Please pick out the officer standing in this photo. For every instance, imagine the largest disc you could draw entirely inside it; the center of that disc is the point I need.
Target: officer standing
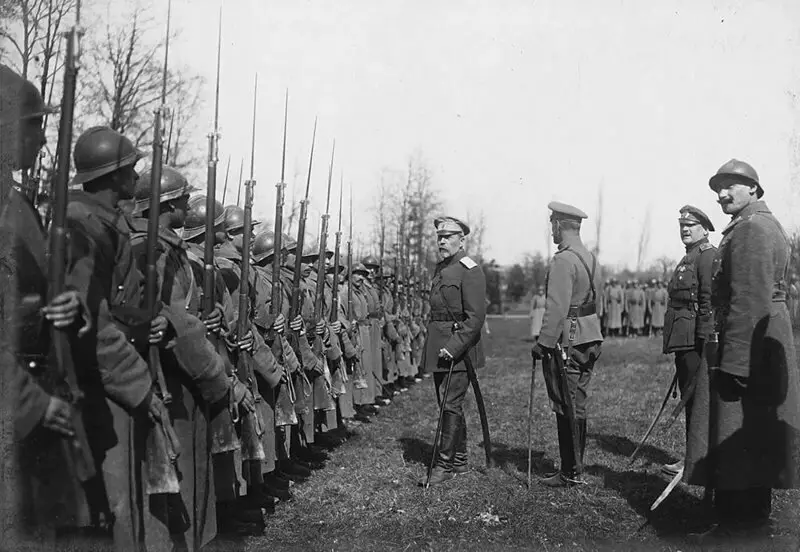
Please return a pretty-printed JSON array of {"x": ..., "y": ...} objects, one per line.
[
  {"x": 570, "y": 341},
  {"x": 744, "y": 439},
  {"x": 458, "y": 289},
  {"x": 688, "y": 320}
]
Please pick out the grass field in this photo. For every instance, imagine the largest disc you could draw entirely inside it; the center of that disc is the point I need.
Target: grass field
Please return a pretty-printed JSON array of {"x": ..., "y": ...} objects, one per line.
[{"x": 366, "y": 497}]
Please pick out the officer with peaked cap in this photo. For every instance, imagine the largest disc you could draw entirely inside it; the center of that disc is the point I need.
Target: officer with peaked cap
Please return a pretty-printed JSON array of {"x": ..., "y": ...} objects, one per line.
[
  {"x": 688, "y": 321},
  {"x": 570, "y": 339},
  {"x": 745, "y": 440},
  {"x": 458, "y": 289}
]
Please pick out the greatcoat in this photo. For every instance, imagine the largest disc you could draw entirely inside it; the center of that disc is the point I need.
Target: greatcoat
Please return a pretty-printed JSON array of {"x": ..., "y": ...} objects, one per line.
[{"x": 745, "y": 424}]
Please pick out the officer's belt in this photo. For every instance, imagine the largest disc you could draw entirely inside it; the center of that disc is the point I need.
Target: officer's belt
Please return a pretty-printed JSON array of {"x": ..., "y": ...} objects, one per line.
[
  {"x": 579, "y": 311},
  {"x": 678, "y": 304},
  {"x": 446, "y": 317}
]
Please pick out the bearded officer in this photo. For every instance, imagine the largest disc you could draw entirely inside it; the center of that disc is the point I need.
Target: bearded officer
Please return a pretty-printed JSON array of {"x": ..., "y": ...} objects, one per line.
[
  {"x": 745, "y": 440},
  {"x": 458, "y": 289},
  {"x": 688, "y": 320},
  {"x": 570, "y": 340}
]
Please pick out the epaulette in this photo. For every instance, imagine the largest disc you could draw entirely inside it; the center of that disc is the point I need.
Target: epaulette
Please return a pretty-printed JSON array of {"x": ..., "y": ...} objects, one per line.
[
  {"x": 467, "y": 262},
  {"x": 706, "y": 246}
]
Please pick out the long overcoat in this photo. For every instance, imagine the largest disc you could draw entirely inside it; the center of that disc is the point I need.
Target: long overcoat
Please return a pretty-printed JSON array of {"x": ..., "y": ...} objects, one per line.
[
  {"x": 745, "y": 424},
  {"x": 615, "y": 300},
  {"x": 458, "y": 289}
]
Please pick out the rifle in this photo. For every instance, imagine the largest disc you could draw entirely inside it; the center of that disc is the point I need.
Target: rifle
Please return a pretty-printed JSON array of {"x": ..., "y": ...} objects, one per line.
[
  {"x": 225, "y": 186},
  {"x": 224, "y": 434},
  {"x": 301, "y": 230},
  {"x": 337, "y": 260},
  {"x": 78, "y": 452},
  {"x": 163, "y": 448},
  {"x": 239, "y": 192},
  {"x": 397, "y": 251},
  {"x": 252, "y": 424},
  {"x": 360, "y": 381},
  {"x": 169, "y": 137},
  {"x": 276, "y": 298},
  {"x": 319, "y": 294}
]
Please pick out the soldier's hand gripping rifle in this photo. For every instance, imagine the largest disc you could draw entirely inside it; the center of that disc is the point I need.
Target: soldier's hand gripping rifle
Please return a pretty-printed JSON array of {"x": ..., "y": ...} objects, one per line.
[
  {"x": 252, "y": 422},
  {"x": 78, "y": 453},
  {"x": 163, "y": 448}
]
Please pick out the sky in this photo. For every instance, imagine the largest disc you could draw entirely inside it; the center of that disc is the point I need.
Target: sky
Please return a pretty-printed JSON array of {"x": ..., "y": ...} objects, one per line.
[{"x": 512, "y": 104}]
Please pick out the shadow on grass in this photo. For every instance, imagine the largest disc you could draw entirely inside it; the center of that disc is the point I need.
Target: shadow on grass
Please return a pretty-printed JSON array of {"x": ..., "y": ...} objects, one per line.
[
  {"x": 416, "y": 451},
  {"x": 623, "y": 446},
  {"x": 680, "y": 514}
]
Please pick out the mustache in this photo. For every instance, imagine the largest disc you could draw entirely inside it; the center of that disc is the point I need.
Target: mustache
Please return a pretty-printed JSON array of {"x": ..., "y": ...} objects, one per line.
[{"x": 725, "y": 201}]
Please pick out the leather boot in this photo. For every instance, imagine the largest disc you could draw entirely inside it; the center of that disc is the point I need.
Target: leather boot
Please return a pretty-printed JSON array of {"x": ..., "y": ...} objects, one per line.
[
  {"x": 567, "y": 476},
  {"x": 443, "y": 470},
  {"x": 460, "y": 456},
  {"x": 582, "y": 439}
]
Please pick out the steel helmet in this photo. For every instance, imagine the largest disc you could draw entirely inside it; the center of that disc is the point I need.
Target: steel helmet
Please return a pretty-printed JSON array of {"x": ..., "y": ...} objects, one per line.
[
  {"x": 173, "y": 186},
  {"x": 736, "y": 168},
  {"x": 370, "y": 261},
  {"x": 387, "y": 272},
  {"x": 359, "y": 268},
  {"x": 100, "y": 151},
  {"x": 196, "y": 217},
  {"x": 263, "y": 245},
  {"x": 234, "y": 218}
]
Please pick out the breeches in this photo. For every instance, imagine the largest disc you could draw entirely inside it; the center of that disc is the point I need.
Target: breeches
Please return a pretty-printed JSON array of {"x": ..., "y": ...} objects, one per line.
[
  {"x": 459, "y": 383},
  {"x": 570, "y": 386}
]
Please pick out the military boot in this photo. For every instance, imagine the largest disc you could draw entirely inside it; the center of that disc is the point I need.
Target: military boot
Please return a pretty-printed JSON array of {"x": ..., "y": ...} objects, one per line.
[
  {"x": 443, "y": 469},
  {"x": 568, "y": 475},
  {"x": 460, "y": 456}
]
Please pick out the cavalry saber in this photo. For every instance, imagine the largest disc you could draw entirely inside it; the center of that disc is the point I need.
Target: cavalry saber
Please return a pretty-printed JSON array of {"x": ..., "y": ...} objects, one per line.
[
  {"x": 473, "y": 379},
  {"x": 530, "y": 421},
  {"x": 657, "y": 417},
  {"x": 442, "y": 400},
  {"x": 668, "y": 490}
]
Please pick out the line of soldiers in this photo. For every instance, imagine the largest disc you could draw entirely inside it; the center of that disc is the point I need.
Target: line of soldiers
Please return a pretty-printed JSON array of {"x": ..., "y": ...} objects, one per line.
[
  {"x": 168, "y": 429},
  {"x": 635, "y": 310}
]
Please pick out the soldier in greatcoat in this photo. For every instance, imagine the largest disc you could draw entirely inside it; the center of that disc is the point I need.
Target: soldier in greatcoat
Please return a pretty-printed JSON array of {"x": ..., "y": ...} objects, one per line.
[
  {"x": 744, "y": 438},
  {"x": 571, "y": 338},
  {"x": 458, "y": 289},
  {"x": 615, "y": 305},
  {"x": 688, "y": 321},
  {"x": 658, "y": 307},
  {"x": 538, "y": 304},
  {"x": 39, "y": 491},
  {"x": 120, "y": 407}
]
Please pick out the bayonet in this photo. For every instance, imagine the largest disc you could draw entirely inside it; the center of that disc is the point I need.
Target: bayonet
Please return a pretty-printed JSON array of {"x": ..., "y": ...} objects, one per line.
[
  {"x": 323, "y": 246},
  {"x": 225, "y": 186},
  {"x": 301, "y": 229}
]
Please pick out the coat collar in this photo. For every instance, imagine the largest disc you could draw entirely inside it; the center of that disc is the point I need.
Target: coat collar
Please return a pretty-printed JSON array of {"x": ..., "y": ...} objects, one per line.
[
  {"x": 755, "y": 207},
  {"x": 460, "y": 254},
  {"x": 695, "y": 245},
  {"x": 570, "y": 242}
]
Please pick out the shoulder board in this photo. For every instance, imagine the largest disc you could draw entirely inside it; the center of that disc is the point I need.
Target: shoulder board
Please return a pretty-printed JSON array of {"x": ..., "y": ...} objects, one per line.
[
  {"x": 467, "y": 262},
  {"x": 706, "y": 246}
]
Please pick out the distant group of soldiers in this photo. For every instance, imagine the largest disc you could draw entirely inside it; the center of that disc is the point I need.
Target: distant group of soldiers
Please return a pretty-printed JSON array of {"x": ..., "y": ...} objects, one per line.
[
  {"x": 155, "y": 426},
  {"x": 637, "y": 309}
]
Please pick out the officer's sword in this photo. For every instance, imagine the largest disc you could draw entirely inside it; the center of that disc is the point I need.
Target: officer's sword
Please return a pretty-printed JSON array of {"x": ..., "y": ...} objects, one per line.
[
  {"x": 657, "y": 417},
  {"x": 530, "y": 421},
  {"x": 473, "y": 378},
  {"x": 668, "y": 490}
]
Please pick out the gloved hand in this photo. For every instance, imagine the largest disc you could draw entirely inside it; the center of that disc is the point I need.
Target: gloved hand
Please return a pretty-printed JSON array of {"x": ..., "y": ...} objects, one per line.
[
  {"x": 242, "y": 395},
  {"x": 336, "y": 327},
  {"x": 58, "y": 417},
  {"x": 320, "y": 328},
  {"x": 213, "y": 321}
]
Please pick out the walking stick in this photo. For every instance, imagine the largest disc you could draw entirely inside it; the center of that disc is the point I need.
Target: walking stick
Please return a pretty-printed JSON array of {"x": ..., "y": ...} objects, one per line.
[
  {"x": 530, "y": 422},
  {"x": 442, "y": 400}
]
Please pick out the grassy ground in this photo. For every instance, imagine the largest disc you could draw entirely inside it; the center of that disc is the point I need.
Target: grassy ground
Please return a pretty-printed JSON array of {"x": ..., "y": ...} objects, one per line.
[{"x": 366, "y": 497}]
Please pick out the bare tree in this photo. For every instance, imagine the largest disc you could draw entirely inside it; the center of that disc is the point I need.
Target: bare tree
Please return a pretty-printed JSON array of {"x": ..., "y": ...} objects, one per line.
[
  {"x": 665, "y": 266},
  {"x": 644, "y": 240},
  {"x": 599, "y": 220},
  {"x": 124, "y": 80}
]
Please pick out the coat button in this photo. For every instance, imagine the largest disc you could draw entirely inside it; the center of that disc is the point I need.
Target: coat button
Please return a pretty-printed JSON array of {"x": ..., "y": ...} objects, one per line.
[{"x": 32, "y": 365}]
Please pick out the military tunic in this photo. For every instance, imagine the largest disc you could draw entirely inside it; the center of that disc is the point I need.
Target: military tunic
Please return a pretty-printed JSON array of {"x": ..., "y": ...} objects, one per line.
[
  {"x": 571, "y": 320},
  {"x": 746, "y": 434}
]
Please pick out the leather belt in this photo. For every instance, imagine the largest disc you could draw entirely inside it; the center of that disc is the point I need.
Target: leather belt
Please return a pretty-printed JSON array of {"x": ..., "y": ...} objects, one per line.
[
  {"x": 579, "y": 311},
  {"x": 445, "y": 317}
]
